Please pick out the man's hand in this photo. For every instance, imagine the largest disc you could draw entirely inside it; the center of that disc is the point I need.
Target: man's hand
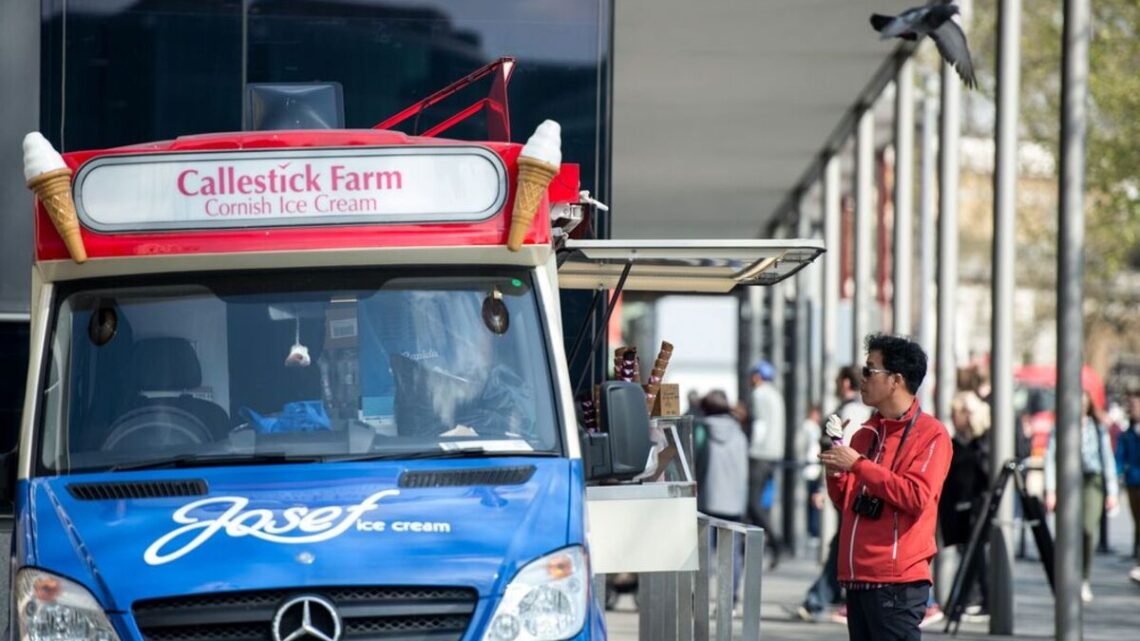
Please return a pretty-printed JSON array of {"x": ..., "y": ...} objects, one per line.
[
  {"x": 1050, "y": 501},
  {"x": 840, "y": 458},
  {"x": 1110, "y": 503}
]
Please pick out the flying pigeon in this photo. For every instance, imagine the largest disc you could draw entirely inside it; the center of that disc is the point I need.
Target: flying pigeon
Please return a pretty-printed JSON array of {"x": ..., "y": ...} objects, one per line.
[{"x": 934, "y": 21}]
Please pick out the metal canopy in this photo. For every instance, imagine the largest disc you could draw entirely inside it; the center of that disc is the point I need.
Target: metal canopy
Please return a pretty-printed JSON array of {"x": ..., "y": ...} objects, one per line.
[
  {"x": 683, "y": 266},
  {"x": 722, "y": 109}
]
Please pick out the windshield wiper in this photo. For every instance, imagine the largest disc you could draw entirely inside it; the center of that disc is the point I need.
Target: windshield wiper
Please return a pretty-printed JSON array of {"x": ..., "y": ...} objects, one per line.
[
  {"x": 467, "y": 452},
  {"x": 200, "y": 460}
]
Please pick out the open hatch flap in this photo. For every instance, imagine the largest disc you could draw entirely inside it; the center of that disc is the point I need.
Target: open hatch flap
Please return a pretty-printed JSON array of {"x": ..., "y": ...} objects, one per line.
[{"x": 705, "y": 266}]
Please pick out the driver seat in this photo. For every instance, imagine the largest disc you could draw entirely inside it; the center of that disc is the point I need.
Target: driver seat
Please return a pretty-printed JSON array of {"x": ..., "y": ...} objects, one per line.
[{"x": 164, "y": 371}]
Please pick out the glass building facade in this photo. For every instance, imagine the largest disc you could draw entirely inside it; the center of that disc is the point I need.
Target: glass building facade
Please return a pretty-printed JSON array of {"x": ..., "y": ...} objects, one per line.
[{"x": 119, "y": 72}]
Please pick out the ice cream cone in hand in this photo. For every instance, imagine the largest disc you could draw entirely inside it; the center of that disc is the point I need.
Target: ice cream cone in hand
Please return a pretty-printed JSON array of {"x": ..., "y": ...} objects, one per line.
[
  {"x": 50, "y": 178},
  {"x": 539, "y": 162}
]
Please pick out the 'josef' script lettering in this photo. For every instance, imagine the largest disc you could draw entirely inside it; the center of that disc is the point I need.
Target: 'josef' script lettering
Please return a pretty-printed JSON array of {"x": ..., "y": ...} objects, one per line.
[{"x": 316, "y": 525}]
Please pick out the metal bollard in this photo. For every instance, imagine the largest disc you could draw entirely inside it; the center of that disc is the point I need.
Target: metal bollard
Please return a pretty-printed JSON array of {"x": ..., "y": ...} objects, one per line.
[
  {"x": 727, "y": 533},
  {"x": 677, "y": 605}
]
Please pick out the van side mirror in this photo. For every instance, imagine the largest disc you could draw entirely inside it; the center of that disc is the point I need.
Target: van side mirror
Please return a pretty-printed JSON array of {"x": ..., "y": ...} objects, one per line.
[{"x": 621, "y": 452}]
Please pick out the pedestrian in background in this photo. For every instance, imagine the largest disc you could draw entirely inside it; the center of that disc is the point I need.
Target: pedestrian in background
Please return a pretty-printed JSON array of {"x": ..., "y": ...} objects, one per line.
[
  {"x": 810, "y": 432},
  {"x": 766, "y": 449},
  {"x": 965, "y": 488},
  {"x": 1099, "y": 486},
  {"x": 723, "y": 493},
  {"x": 1128, "y": 469},
  {"x": 723, "y": 490}
]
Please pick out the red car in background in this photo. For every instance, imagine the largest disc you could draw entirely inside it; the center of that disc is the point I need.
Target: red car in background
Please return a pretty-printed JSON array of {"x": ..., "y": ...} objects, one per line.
[{"x": 1035, "y": 401}]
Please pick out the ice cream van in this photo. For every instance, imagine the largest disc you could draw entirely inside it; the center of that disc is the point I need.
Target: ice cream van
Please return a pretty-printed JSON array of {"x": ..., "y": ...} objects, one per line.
[{"x": 311, "y": 386}]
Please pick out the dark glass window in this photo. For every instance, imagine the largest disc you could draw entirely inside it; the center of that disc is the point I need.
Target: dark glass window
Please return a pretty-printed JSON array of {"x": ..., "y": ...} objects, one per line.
[
  {"x": 13, "y": 376},
  {"x": 118, "y": 72}
]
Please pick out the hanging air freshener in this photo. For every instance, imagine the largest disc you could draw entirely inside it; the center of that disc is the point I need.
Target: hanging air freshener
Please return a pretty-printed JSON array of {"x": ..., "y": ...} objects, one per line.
[{"x": 298, "y": 354}]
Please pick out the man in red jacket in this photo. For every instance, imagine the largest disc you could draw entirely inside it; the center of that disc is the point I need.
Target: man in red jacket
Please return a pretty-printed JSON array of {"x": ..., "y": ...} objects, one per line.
[{"x": 886, "y": 481}]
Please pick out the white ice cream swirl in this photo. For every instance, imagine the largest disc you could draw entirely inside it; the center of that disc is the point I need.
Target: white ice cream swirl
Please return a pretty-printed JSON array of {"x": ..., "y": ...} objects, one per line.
[
  {"x": 545, "y": 143},
  {"x": 834, "y": 428},
  {"x": 39, "y": 156}
]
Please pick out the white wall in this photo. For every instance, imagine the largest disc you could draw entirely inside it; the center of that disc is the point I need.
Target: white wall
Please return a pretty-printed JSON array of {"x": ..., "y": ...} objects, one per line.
[{"x": 703, "y": 331}]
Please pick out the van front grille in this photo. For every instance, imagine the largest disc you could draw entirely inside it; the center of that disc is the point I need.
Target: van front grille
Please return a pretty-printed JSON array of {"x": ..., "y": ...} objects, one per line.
[{"x": 366, "y": 613}]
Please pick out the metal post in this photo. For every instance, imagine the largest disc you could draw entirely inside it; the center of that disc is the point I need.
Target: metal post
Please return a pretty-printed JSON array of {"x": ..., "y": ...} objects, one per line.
[
  {"x": 864, "y": 218},
  {"x": 926, "y": 244},
  {"x": 753, "y": 578},
  {"x": 1070, "y": 322},
  {"x": 725, "y": 544},
  {"x": 753, "y": 299},
  {"x": 831, "y": 240},
  {"x": 745, "y": 342},
  {"x": 778, "y": 311},
  {"x": 904, "y": 197},
  {"x": 701, "y": 589},
  {"x": 683, "y": 606},
  {"x": 947, "y": 242},
  {"x": 1000, "y": 593}
]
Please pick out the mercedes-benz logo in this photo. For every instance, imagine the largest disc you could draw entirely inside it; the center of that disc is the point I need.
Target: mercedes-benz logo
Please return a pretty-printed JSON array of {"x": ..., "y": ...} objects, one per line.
[{"x": 306, "y": 618}]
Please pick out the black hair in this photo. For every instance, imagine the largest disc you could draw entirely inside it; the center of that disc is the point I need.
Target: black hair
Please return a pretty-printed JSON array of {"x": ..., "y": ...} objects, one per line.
[
  {"x": 901, "y": 356},
  {"x": 851, "y": 375},
  {"x": 1092, "y": 413},
  {"x": 716, "y": 402}
]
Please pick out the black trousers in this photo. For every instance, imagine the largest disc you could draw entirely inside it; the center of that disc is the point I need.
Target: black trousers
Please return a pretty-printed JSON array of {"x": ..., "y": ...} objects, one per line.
[{"x": 889, "y": 613}]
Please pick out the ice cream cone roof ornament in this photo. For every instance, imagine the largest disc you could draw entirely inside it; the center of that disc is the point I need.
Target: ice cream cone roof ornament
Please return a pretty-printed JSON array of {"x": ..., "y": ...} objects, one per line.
[
  {"x": 50, "y": 178},
  {"x": 539, "y": 162}
]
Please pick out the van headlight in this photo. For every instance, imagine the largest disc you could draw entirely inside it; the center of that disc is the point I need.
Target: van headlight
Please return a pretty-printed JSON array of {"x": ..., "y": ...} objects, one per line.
[
  {"x": 52, "y": 608},
  {"x": 546, "y": 601}
]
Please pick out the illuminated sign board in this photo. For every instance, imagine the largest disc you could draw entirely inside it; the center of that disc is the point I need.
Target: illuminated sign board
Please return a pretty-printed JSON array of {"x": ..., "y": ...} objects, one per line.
[{"x": 290, "y": 188}]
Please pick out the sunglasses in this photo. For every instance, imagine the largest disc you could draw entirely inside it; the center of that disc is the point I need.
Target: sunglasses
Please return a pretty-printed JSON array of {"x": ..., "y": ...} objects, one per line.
[{"x": 868, "y": 371}]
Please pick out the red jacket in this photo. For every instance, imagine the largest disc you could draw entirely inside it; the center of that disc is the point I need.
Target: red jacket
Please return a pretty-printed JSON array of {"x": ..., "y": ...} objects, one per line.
[{"x": 896, "y": 547}]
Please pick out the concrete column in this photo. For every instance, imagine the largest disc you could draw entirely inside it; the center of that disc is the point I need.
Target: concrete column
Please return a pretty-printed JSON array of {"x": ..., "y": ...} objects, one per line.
[
  {"x": 801, "y": 364},
  {"x": 831, "y": 241},
  {"x": 927, "y": 249},
  {"x": 864, "y": 219},
  {"x": 904, "y": 198}
]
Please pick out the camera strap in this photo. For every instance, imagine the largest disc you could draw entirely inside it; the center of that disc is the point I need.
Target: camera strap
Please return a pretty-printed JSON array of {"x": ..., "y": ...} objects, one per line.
[
  {"x": 880, "y": 443},
  {"x": 902, "y": 442}
]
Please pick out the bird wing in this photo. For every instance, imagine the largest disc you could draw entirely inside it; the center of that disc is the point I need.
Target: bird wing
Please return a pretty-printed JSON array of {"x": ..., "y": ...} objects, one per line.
[
  {"x": 951, "y": 44},
  {"x": 905, "y": 22}
]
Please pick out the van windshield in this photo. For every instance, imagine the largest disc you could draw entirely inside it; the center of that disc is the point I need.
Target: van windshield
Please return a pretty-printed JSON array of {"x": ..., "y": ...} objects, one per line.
[{"x": 291, "y": 366}]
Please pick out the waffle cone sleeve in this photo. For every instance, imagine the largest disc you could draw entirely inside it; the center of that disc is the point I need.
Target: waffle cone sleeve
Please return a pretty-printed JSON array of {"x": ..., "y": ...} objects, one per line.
[
  {"x": 658, "y": 372},
  {"x": 534, "y": 178},
  {"x": 53, "y": 188}
]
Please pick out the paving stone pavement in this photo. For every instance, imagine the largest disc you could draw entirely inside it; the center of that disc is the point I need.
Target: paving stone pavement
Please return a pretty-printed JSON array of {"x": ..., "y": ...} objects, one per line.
[{"x": 1113, "y": 615}]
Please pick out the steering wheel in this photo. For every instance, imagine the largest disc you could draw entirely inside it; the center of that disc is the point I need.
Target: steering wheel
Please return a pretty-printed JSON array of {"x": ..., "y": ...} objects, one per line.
[{"x": 155, "y": 428}]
